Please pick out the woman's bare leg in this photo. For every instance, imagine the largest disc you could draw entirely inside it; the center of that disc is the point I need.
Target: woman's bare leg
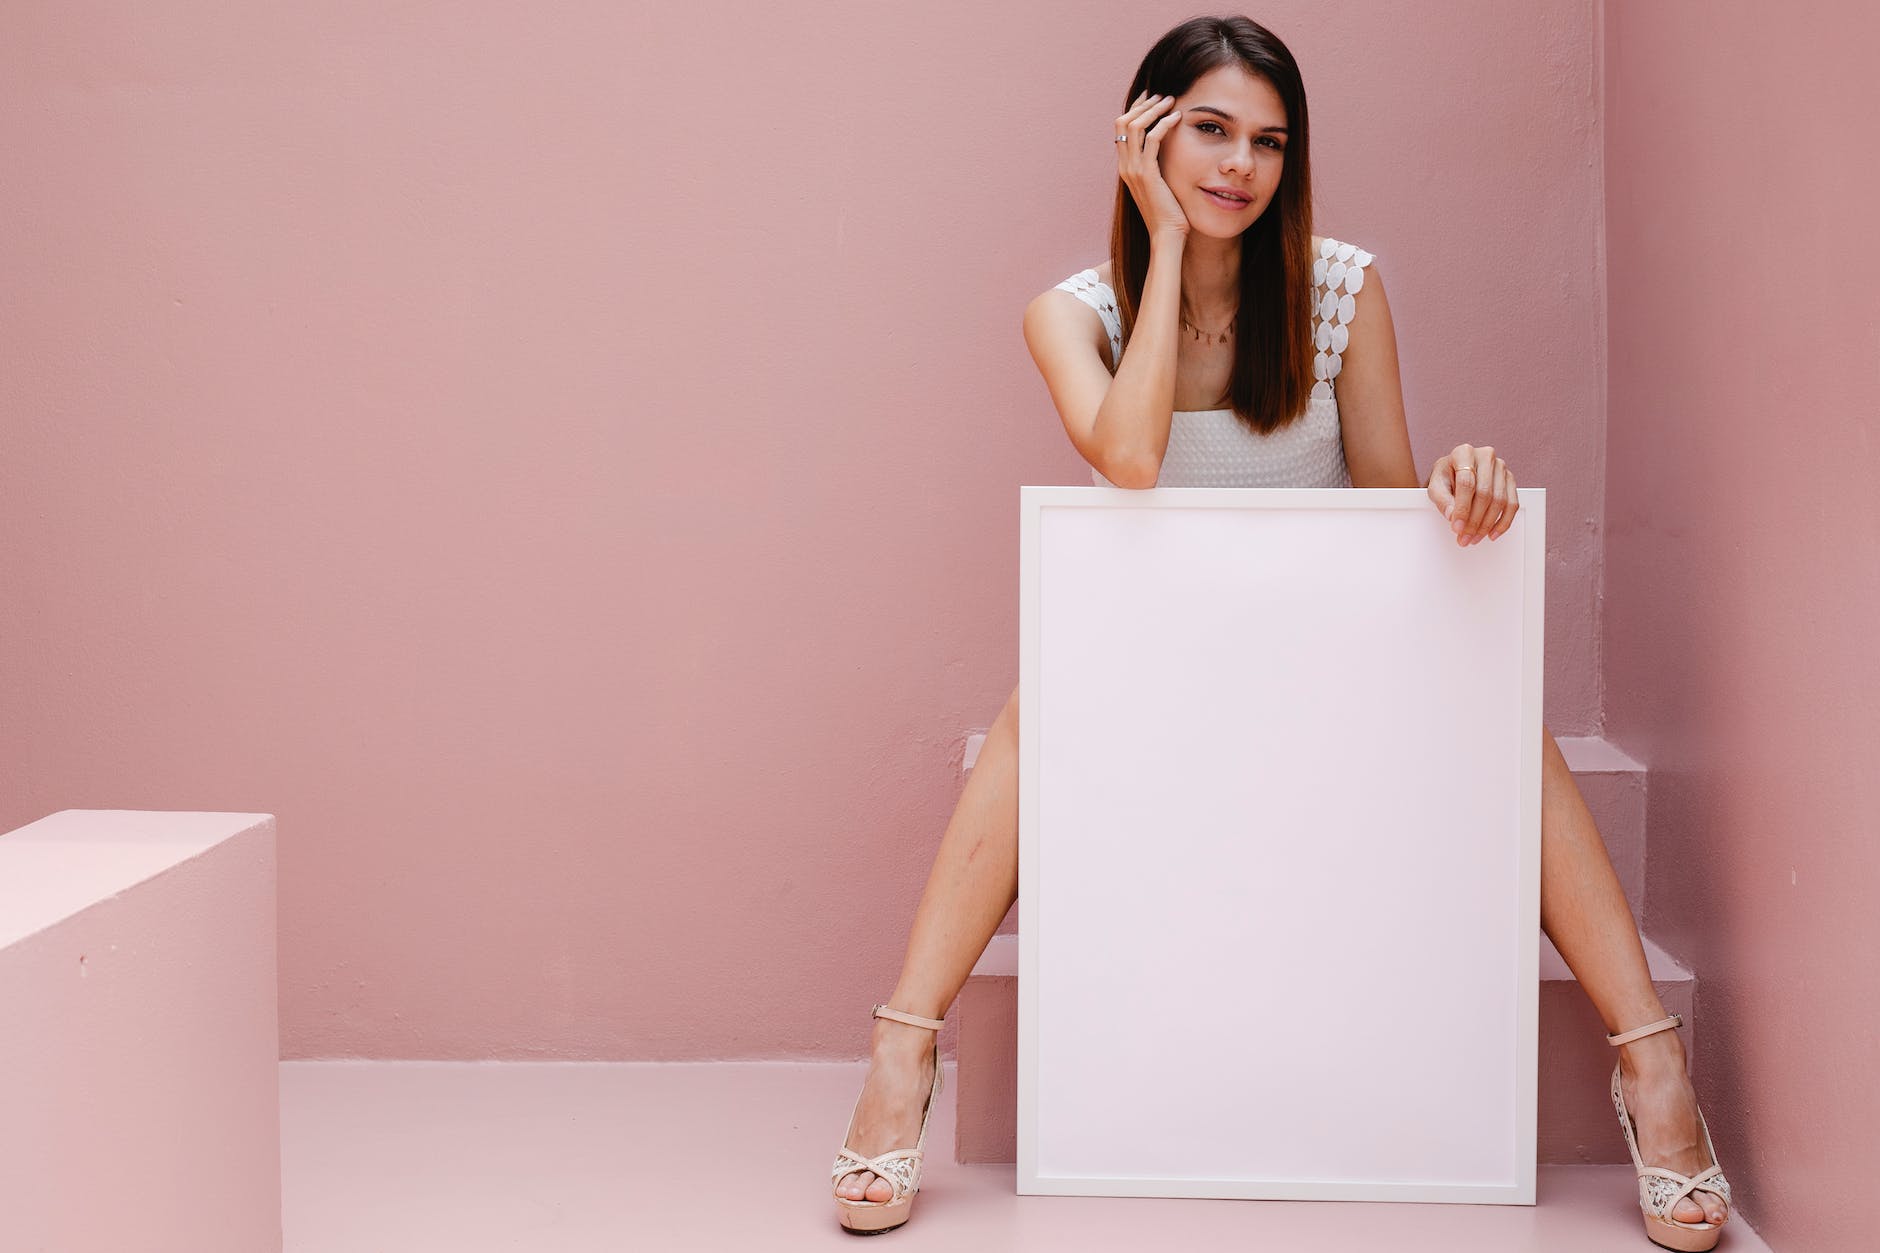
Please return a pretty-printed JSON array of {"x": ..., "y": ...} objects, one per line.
[
  {"x": 1585, "y": 914},
  {"x": 972, "y": 885},
  {"x": 974, "y": 881}
]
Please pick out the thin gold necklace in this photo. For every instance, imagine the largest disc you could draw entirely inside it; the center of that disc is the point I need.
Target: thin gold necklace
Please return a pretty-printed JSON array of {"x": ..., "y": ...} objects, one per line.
[{"x": 1212, "y": 339}]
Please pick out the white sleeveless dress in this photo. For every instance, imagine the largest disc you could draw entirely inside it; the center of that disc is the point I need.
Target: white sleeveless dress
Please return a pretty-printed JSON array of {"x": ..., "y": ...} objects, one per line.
[{"x": 1212, "y": 447}]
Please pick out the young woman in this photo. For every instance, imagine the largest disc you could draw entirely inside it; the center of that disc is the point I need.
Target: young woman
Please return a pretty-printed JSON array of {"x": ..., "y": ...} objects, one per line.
[{"x": 1223, "y": 344}]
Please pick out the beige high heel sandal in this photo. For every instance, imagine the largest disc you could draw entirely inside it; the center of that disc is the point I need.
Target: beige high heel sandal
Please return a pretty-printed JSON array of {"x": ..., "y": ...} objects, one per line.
[
  {"x": 1660, "y": 1190},
  {"x": 900, "y": 1167}
]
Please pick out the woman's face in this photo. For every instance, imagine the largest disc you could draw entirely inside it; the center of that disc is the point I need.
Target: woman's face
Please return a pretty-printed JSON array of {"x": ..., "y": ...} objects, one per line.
[{"x": 1232, "y": 134}]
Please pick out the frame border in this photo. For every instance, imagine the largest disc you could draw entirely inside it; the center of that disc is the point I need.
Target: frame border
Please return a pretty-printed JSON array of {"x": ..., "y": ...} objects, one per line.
[{"x": 1531, "y": 526}]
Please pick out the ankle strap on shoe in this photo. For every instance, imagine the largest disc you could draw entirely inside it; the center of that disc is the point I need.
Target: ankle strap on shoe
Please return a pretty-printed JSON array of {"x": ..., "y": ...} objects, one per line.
[
  {"x": 912, "y": 1020},
  {"x": 1676, "y": 1020}
]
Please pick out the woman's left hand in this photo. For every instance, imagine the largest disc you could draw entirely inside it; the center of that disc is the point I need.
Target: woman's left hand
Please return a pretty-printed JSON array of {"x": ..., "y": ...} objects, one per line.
[{"x": 1480, "y": 504}]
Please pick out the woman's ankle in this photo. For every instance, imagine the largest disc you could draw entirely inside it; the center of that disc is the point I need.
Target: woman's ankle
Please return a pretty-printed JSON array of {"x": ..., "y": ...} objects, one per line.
[
  {"x": 1654, "y": 1056},
  {"x": 900, "y": 1040}
]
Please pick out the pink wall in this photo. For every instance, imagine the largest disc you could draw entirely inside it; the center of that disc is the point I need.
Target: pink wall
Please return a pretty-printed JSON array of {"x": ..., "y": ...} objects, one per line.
[
  {"x": 564, "y": 461},
  {"x": 1741, "y": 593}
]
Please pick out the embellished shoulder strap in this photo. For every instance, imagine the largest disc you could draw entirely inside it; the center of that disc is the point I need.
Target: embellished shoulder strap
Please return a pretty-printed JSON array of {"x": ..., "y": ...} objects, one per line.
[
  {"x": 1093, "y": 291},
  {"x": 1337, "y": 277}
]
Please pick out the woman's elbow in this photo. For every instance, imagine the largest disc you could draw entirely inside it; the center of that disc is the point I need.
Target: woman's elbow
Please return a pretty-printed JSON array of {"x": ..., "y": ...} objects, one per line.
[{"x": 1139, "y": 475}]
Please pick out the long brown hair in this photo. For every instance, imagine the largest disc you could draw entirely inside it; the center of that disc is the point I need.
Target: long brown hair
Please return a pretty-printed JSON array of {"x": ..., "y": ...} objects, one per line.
[{"x": 1272, "y": 378}]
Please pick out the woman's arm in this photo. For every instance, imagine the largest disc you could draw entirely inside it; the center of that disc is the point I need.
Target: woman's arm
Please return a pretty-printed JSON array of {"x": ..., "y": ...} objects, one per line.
[
  {"x": 1370, "y": 395},
  {"x": 1119, "y": 421},
  {"x": 1140, "y": 405}
]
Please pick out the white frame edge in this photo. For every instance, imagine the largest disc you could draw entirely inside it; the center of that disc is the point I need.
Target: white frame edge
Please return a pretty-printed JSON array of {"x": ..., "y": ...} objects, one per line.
[{"x": 1033, "y": 500}]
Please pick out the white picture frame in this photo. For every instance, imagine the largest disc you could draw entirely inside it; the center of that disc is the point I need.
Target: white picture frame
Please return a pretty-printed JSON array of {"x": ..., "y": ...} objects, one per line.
[{"x": 1279, "y": 846}]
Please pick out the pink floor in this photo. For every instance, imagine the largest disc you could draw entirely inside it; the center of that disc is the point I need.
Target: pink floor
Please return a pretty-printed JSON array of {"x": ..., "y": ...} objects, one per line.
[{"x": 558, "y": 1157}]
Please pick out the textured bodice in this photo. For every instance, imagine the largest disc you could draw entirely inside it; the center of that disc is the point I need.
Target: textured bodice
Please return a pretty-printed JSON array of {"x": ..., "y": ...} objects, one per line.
[{"x": 1212, "y": 447}]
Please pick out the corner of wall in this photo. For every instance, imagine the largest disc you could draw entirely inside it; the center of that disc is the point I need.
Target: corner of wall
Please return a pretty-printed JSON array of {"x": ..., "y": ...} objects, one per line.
[{"x": 1603, "y": 324}]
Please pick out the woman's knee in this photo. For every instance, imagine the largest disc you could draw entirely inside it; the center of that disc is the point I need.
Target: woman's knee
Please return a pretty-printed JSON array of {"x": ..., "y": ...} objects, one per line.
[{"x": 1009, "y": 715}]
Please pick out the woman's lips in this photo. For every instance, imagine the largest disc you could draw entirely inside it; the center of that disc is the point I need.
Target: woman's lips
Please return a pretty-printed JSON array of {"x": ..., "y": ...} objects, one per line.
[{"x": 1226, "y": 202}]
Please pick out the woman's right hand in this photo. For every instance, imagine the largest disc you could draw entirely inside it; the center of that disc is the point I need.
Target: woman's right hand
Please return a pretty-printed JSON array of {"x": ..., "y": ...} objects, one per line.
[{"x": 1139, "y": 164}]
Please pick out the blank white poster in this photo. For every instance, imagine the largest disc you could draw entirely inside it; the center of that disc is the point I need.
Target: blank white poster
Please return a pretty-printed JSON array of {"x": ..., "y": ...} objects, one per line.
[{"x": 1279, "y": 846}]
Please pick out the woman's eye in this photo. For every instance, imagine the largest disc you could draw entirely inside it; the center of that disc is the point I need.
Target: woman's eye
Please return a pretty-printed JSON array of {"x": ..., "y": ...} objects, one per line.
[{"x": 1268, "y": 140}]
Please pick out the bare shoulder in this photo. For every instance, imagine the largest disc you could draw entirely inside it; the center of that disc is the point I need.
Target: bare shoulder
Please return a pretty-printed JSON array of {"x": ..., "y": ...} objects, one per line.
[
  {"x": 1371, "y": 307},
  {"x": 1369, "y": 287},
  {"x": 1371, "y": 294},
  {"x": 1056, "y": 313}
]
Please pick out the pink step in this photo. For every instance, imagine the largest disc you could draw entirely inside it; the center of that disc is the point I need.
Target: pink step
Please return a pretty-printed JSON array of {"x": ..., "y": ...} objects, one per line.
[
  {"x": 139, "y": 1052},
  {"x": 1575, "y": 1121}
]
